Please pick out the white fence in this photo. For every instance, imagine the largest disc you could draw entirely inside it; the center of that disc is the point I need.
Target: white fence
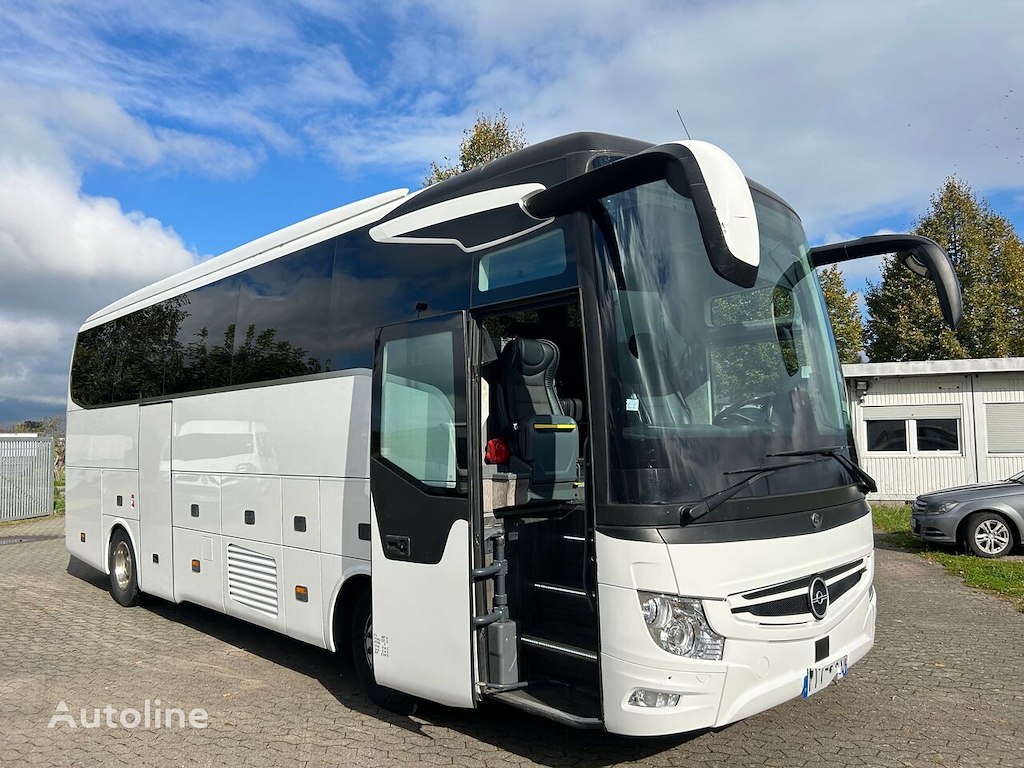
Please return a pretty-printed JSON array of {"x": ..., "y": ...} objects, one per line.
[{"x": 26, "y": 477}]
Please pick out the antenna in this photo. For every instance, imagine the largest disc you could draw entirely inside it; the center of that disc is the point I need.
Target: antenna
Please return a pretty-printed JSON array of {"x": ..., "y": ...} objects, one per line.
[{"x": 684, "y": 124}]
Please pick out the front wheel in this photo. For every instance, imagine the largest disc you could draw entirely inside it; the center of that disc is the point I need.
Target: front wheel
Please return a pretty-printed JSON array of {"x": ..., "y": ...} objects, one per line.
[
  {"x": 988, "y": 535},
  {"x": 124, "y": 580},
  {"x": 361, "y": 634}
]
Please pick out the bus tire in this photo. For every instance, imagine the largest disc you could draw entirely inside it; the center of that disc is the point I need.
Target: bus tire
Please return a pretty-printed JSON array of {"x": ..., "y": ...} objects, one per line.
[
  {"x": 124, "y": 571},
  {"x": 361, "y": 634}
]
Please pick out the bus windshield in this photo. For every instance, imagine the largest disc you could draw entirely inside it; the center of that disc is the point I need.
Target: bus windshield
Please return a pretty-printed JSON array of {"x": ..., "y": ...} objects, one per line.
[{"x": 706, "y": 380}]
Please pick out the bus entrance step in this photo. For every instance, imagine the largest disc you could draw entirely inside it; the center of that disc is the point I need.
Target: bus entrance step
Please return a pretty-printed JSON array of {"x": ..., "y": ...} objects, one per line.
[{"x": 567, "y": 706}]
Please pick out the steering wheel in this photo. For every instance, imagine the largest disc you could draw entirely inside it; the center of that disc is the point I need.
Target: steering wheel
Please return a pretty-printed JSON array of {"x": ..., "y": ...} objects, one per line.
[{"x": 758, "y": 411}]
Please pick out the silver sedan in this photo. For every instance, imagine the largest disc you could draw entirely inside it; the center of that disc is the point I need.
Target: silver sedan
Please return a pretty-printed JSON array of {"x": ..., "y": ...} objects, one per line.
[{"x": 986, "y": 520}]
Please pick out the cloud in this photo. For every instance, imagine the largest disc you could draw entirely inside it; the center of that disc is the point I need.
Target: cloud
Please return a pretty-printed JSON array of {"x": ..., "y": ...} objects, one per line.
[
  {"x": 19, "y": 336},
  {"x": 64, "y": 254},
  {"x": 245, "y": 74},
  {"x": 34, "y": 359},
  {"x": 65, "y": 129},
  {"x": 865, "y": 125}
]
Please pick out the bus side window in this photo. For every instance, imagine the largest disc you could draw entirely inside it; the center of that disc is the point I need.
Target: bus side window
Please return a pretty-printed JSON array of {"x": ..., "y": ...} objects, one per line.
[{"x": 418, "y": 427}]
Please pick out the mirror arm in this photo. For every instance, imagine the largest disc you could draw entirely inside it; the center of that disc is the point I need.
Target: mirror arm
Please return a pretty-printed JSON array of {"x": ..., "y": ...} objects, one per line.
[
  {"x": 875, "y": 245},
  {"x": 677, "y": 165},
  {"x": 920, "y": 255},
  {"x": 575, "y": 193}
]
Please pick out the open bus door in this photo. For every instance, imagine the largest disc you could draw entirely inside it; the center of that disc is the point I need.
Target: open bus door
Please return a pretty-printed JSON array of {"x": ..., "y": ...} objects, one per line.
[{"x": 421, "y": 525}]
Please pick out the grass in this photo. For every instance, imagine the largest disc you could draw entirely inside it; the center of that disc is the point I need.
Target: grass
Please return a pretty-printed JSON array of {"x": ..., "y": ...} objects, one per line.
[
  {"x": 999, "y": 577},
  {"x": 58, "y": 496}
]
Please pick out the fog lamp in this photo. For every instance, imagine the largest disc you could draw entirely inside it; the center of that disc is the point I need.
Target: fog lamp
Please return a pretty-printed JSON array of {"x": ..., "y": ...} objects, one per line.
[{"x": 655, "y": 699}]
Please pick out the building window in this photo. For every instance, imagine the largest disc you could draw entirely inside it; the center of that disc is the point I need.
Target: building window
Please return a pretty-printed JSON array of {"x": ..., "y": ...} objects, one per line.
[
  {"x": 887, "y": 435},
  {"x": 938, "y": 435},
  {"x": 914, "y": 435},
  {"x": 1004, "y": 424}
]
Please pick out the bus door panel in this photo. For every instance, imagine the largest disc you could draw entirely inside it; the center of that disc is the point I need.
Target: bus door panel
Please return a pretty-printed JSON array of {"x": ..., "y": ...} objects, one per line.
[
  {"x": 155, "y": 558},
  {"x": 421, "y": 527}
]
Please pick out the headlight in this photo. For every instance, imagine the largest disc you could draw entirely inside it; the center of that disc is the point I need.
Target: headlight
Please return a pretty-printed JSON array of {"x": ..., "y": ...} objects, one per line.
[
  {"x": 679, "y": 626},
  {"x": 940, "y": 509}
]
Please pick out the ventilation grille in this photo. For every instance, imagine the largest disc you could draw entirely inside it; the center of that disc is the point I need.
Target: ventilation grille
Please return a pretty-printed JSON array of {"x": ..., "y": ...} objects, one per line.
[
  {"x": 252, "y": 580},
  {"x": 799, "y": 604},
  {"x": 788, "y": 603}
]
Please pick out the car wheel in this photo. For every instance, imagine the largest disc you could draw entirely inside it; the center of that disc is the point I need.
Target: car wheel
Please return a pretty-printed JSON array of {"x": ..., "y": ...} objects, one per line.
[
  {"x": 124, "y": 579},
  {"x": 361, "y": 634},
  {"x": 988, "y": 535}
]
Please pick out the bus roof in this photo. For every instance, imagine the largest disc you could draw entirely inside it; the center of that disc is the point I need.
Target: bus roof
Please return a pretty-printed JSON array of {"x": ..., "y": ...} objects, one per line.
[
  {"x": 262, "y": 249},
  {"x": 575, "y": 148}
]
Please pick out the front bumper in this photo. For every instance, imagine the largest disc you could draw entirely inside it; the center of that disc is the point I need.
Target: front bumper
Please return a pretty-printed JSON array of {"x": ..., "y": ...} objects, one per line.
[
  {"x": 940, "y": 529},
  {"x": 754, "y": 675}
]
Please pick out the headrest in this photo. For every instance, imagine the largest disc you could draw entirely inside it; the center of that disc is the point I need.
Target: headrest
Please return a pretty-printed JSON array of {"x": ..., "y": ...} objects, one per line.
[{"x": 533, "y": 356}]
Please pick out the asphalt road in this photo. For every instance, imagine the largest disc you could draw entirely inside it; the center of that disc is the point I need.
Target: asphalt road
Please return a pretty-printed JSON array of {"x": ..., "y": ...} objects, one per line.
[{"x": 944, "y": 685}]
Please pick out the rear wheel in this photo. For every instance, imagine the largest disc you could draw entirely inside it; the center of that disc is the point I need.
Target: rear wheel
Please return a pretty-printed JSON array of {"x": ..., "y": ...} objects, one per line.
[
  {"x": 988, "y": 535},
  {"x": 124, "y": 581},
  {"x": 361, "y": 634}
]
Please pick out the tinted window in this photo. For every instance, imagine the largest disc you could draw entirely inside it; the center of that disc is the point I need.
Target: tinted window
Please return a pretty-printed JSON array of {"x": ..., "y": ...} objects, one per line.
[
  {"x": 532, "y": 259},
  {"x": 283, "y": 312},
  {"x": 887, "y": 435},
  {"x": 379, "y": 284},
  {"x": 938, "y": 434},
  {"x": 288, "y": 317},
  {"x": 179, "y": 345},
  {"x": 92, "y": 372},
  {"x": 531, "y": 266},
  {"x": 205, "y": 335},
  {"x": 149, "y": 359}
]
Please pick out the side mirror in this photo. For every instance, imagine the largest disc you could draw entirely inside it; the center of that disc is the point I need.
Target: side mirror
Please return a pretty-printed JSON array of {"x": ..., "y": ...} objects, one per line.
[
  {"x": 920, "y": 255},
  {"x": 694, "y": 169}
]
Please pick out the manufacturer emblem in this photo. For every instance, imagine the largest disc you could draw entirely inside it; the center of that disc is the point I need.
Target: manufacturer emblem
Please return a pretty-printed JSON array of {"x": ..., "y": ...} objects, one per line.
[
  {"x": 817, "y": 596},
  {"x": 816, "y": 520}
]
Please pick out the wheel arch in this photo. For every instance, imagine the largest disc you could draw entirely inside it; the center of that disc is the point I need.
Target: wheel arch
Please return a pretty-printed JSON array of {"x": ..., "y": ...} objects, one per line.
[
  {"x": 344, "y": 601},
  {"x": 119, "y": 523},
  {"x": 1016, "y": 529}
]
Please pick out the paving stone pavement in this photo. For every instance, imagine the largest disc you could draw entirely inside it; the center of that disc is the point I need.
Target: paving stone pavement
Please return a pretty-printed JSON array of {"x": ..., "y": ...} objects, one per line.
[{"x": 944, "y": 685}]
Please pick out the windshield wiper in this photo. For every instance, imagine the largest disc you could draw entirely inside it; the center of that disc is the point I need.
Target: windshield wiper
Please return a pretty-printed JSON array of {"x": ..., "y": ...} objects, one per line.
[
  {"x": 690, "y": 512},
  {"x": 864, "y": 480}
]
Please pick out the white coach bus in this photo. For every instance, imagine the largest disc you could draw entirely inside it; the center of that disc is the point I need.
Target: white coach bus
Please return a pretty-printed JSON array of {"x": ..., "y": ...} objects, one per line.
[{"x": 566, "y": 431}]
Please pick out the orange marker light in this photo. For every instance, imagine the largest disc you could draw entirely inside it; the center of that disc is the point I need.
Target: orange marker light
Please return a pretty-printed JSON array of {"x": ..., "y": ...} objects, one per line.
[
  {"x": 302, "y": 594},
  {"x": 195, "y": 566}
]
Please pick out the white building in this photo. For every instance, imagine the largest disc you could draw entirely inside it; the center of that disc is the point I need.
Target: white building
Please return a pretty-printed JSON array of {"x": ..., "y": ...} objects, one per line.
[{"x": 924, "y": 425}]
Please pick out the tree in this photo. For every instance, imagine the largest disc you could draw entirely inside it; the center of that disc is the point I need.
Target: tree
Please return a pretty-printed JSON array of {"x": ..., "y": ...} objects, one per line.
[
  {"x": 51, "y": 426},
  {"x": 488, "y": 139},
  {"x": 904, "y": 321},
  {"x": 843, "y": 314}
]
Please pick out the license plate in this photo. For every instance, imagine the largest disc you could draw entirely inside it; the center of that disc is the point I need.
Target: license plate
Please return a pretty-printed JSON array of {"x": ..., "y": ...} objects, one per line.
[{"x": 818, "y": 678}]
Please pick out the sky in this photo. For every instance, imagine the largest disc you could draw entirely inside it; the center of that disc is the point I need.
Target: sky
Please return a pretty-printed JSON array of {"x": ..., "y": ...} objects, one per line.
[{"x": 138, "y": 137}]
